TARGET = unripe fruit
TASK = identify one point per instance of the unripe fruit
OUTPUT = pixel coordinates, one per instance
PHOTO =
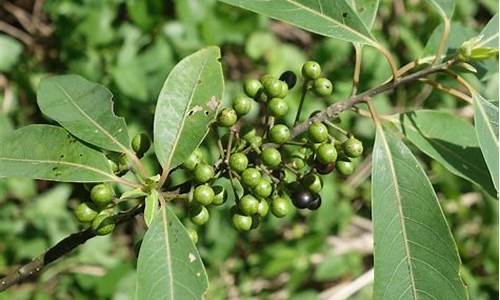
(85, 213)
(271, 157)
(263, 208)
(353, 147)
(280, 207)
(263, 188)
(242, 105)
(318, 133)
(272, 87)
(311, 70)
(324, 169)
(313, 183)
(238, 162)
(277, 107)
(322, 87)
(101, 194)
(227, 117)
(298, 163)
(193, 235)
(284, 89)
(252, 138)
(290, 78)
(141, 143)
(220, 196)
(203, 194)
(193, 160)
(251, 177)
(249, 205)
(316, 203)
(252, 87)
(345, 167)
(103, 223)
(302, 198)
(203, 173)
(326, 153)
(279, 134)
(241, 222)
(199, 214)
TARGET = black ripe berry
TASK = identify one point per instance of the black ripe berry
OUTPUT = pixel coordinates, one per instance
(290, 78)
(302, 198)
(316, 203)
(324, 169)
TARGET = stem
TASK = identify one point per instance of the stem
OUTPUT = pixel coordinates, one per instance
(336, 128)
(390, 60)
(447, 89)
(358, 50)
(125, 182)
(443, 40)
(302, 97)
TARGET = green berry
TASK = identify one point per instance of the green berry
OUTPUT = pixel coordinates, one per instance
(199, 214)
(251, 137)
(203, 173)
(193, 235)
(220, 196)
(263, 208)
(284, 89)
(272, 87)
(322, 87)
(251, 177)
(263, 188)
(298, 163)
(242, 105)
(318, 133)
(103, 223)
(326, 153)
(313, 183)
(279, 134)
(203, 194)
(345, 167)
(280, 207)
(271, 157)
(141, 143)
(277, 107)
(242, 222)
(101, 194)
(227, 117)
(252, 87)
(311, 70)
(193, 160)
(249, 205)
(353, 147)
(238, 162)
(85, 212)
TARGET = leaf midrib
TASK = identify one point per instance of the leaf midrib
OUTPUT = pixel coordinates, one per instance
(167, 250)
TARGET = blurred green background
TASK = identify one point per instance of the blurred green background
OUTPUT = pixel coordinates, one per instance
(130, 47)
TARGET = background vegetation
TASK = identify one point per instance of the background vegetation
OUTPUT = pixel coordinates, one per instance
(130, 46)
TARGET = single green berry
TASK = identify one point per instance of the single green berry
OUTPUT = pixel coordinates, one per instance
(313, 183)
(203, 173)
(85, 212)
(311, 70)
(227, 117)
(263, 188)
(199, 214)
(252, 87)
(203, 194)
(101, 194)
(263, 209)
(271, 157)
(220, 196)
(326, 153)
(249, 205)
(284, 89)
(322, 87)
(103, 223)
(242, 222)
(280, 207)
(238, 162)
(318, 133)
(279, 134)
(297, 163)
(193, 160)
(277, 107)
(272, 87)
(242, 105)
(256, 141)
(250, 136)
(141, 143)
(352, 147)
(193, 235)
(251, 177)
(345, 167)
(290, 78)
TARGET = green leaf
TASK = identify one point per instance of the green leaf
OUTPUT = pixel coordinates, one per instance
(445, 8)
(367, 10)
(51, 153)
(151, 207)
(415, 254)
(486, 123)
(10, 51)
(336, 19)
(187, 104)
(5, 126)
(169, 266)
(490, 34)
(85, 109)
(450, 140)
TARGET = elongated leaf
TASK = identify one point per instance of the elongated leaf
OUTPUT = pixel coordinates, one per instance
(415, 254)
(169, 266)
(444, 7)
(85, 109)
(490, 34)
(450, 140)
(486, 123)
(151, 206)
(367, 10)
(336, 19)
(51, 153)
(187, 104)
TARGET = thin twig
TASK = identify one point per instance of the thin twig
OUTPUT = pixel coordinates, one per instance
(358, 50)
(16, 33)
(447, 89)
(301, 103)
